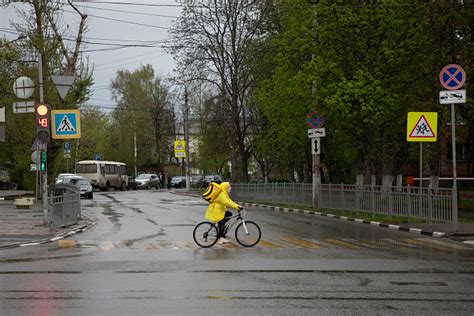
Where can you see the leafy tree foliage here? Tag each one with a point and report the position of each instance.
(144, 119)
(40, 31)
(212, 43)
(363, 67)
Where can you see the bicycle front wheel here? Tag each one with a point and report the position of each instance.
(248, 234)
(205, 234)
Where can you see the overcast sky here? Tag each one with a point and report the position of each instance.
(115, 22)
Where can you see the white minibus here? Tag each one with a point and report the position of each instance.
(103, 174)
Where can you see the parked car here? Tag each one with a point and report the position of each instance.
(147, 180)
(61, 177)
(194, 181)
(83, 184)
(178, 182)
(204, 182)
(131, 183)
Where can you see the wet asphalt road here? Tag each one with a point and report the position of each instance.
(140, 258)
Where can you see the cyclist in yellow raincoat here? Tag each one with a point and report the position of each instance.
(217, 210)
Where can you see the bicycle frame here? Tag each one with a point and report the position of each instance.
(234, 219)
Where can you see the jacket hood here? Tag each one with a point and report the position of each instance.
(225, 186)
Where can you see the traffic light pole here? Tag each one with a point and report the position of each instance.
(43, 175)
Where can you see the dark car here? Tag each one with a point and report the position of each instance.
(178, 182)
(147, 180)
(131, 184)
(204, 182)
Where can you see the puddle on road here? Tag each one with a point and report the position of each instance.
(112, 215)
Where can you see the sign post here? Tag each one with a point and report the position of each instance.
(452, 77)
(422, 127)
(315, 122)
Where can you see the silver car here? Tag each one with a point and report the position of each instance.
(147, 180)
(84, 185)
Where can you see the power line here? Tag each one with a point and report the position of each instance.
(13, 31)
(129, 12)
(122, 21)
(140, 4)
(118, 60)
(137, 61)
(117, 48)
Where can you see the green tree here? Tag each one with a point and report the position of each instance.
(40, 31)
(363, 67)
(212, 43)
(144, 118)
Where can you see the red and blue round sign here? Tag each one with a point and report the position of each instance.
(452, 77)
(314, 120)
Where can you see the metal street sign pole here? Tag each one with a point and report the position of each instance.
(316, 179)
(455, 185)
(452, 78)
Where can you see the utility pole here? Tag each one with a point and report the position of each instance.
(186, 136)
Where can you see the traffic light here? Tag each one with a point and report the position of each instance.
(42, 122)
(43, 161)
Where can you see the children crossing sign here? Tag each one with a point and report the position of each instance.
(422, 126)
(179, 149)
(65, 124)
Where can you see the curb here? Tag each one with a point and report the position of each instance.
(356, 220)
(59, 236)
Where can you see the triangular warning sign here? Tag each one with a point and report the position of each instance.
(179, 146)
(422, 129)
(66, 125)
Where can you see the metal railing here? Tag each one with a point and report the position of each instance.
(410, 202)
(65, 205)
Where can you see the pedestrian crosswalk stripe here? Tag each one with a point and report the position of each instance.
(186, 244)
(64, 243)
(301, 242)
(397, 243)
(422, 243)
(107, 245)
(151, 246)
(361, 244)
(340, 243)
(444, 244)
(228, 245)
(268, 244)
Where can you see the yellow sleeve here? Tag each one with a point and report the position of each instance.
(226, 200)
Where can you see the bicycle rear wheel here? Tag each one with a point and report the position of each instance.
(248, 234)
(205, 234)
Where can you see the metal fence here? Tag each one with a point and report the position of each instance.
(65, 205)
(411, 202)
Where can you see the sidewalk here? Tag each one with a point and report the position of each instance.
(22, 227)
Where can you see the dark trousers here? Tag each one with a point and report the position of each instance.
(220, 225)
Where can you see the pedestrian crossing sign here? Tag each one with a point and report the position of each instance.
(422, 126)
(65, 124)
(179, 149)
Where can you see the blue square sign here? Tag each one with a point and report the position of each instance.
(66, 124)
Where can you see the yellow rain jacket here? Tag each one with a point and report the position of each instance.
(216, 210)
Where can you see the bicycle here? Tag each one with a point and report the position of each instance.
(247, 233)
